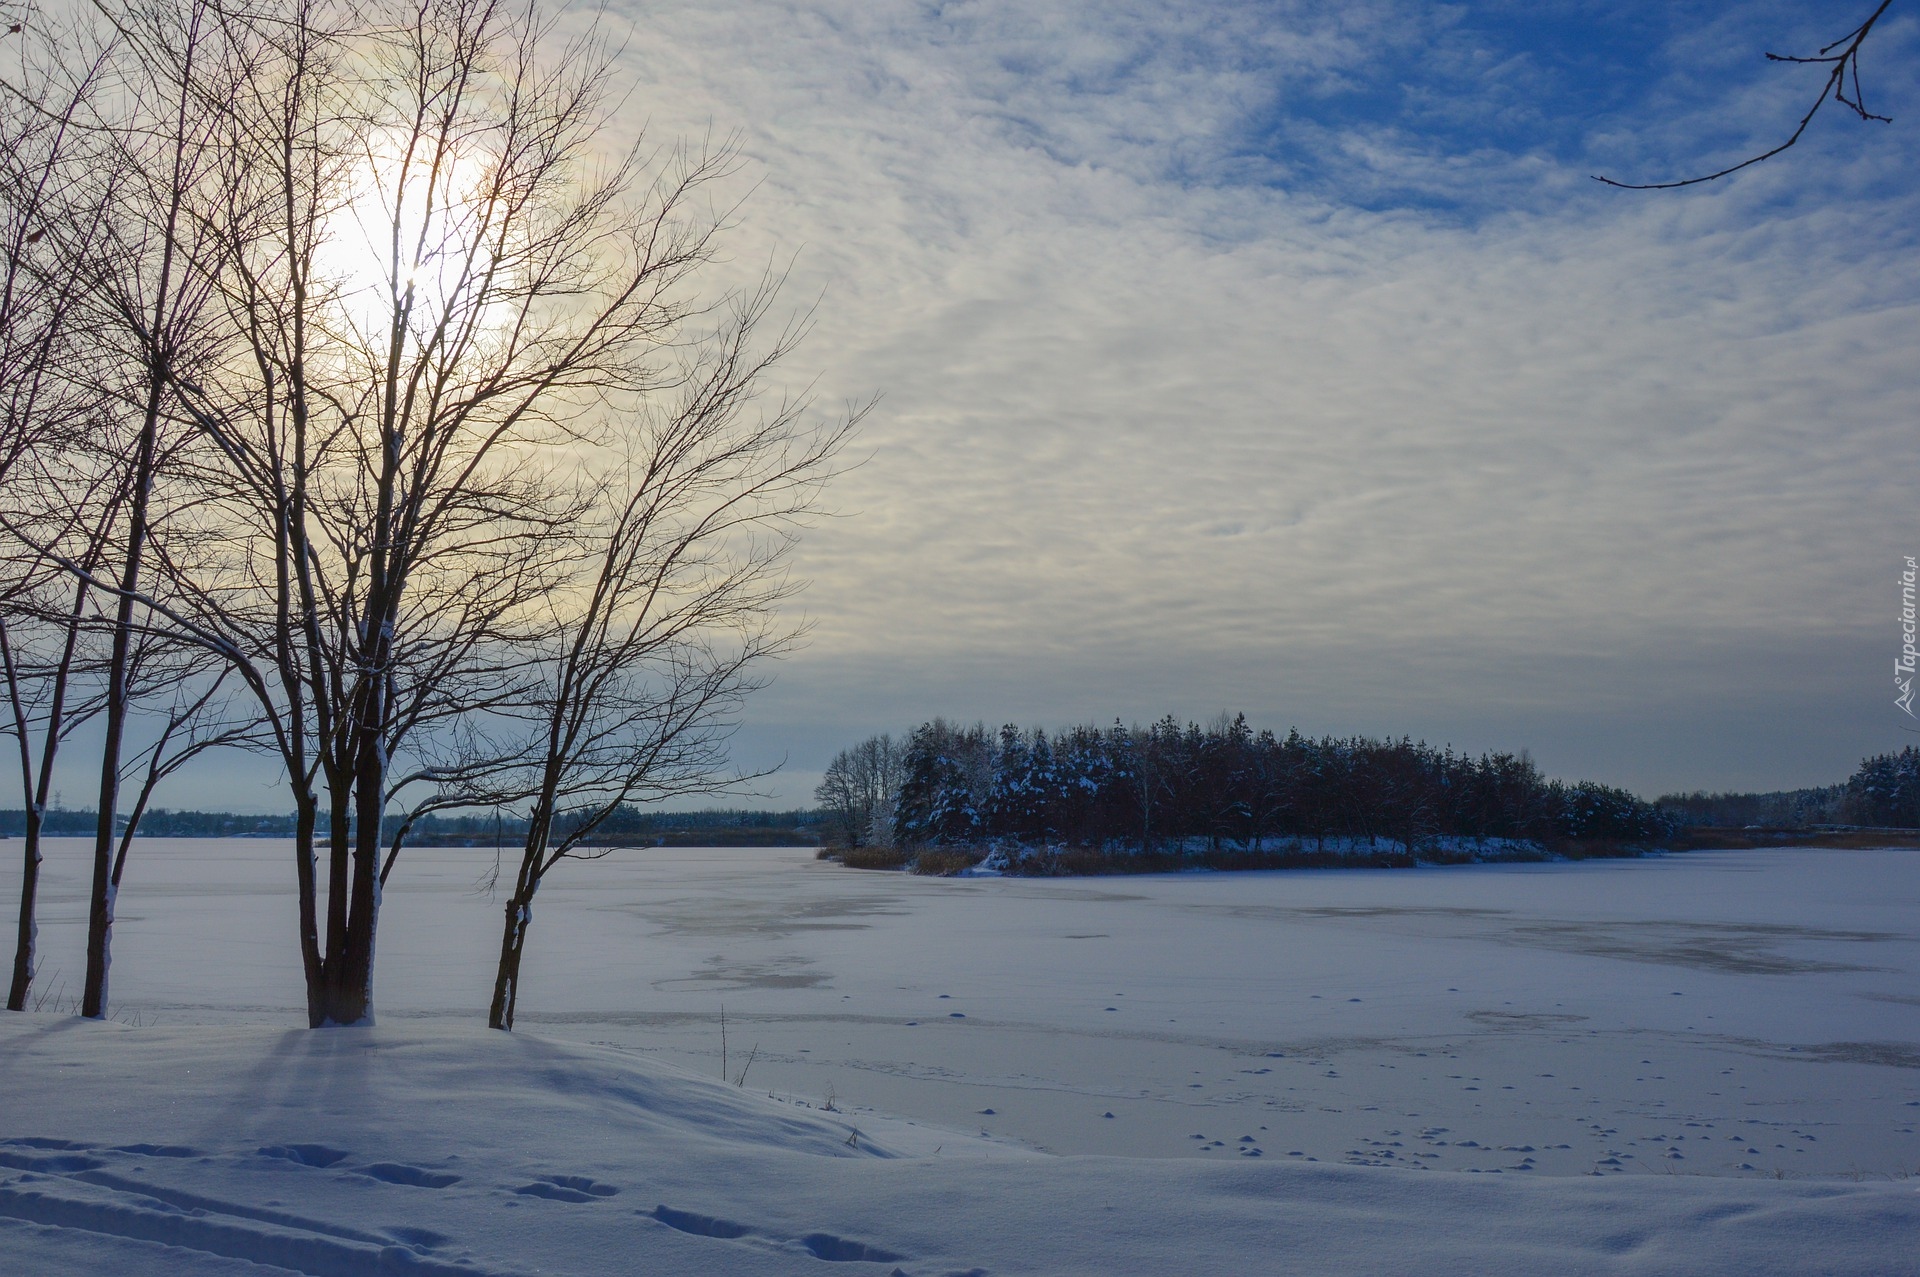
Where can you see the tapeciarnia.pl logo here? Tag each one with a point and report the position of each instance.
(1904, 667)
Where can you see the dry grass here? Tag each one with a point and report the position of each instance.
(873, 858)
(1720, 838)
(943, 863)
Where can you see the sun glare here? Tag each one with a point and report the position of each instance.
(410, 232)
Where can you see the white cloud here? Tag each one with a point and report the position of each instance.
(1147, 426)
(1438, 437)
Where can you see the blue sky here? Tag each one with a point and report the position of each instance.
(1285, 358)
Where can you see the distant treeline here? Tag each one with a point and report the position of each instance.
(156, 823)
(1883, 792)
(1186, 789)
(717, 827)
(1780, 809)
(720, 827)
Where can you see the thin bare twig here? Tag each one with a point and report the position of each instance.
(1844, 65)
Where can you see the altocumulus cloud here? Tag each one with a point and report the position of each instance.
(1284, 357)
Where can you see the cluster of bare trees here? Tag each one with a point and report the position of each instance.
(859, 790)
(363, 408)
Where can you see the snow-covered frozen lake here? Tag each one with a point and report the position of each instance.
(1701, 1065)
(1752, 1014)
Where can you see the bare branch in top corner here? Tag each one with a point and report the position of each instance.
(1844, 66)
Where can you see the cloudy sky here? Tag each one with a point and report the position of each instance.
(1283, 357)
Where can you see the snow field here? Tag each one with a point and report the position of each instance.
(459, 1152)
(1702, 1063)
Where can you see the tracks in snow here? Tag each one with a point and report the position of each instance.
(101, 1190)
(132, 1194)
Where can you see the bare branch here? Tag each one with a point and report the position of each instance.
(1843, 66)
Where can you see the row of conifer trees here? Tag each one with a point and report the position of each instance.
(1181, 789)
(1885, 791)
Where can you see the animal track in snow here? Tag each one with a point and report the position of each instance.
(827, 1246)
(566, 1188)
(700, 1225)
(84, 1188)
(411, 1176)
(52, 1157)
(841, 1250)
(305, 1154)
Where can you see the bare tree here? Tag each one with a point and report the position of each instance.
(653, 651)
(859, 791)
(40, 718)
(1843, 67)
(46, 220)
(152, 274)
(400, 291)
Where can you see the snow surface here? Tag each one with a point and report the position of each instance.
(1701, 1064)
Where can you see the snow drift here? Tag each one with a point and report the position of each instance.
(214, 1150)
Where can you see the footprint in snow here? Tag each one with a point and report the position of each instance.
(43, 1141)
(700, 1225)
(411, 1176)
(566, 1188)
(305, 1154)
(844, 1250)
(825, 1246)
(49, 1157)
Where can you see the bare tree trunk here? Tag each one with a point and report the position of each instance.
(339, 862)
(350, 972)
(29, 931)
(506, 980)
(93, 998)
(35, 791)
(513, 942)
(533, 866)
(30, 869)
